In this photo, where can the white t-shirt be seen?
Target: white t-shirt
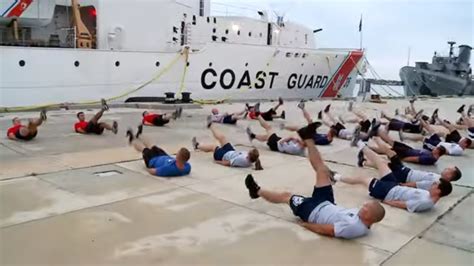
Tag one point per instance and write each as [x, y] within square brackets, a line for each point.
[417, 200]
[217, 118]
[237, 158]
[424, 180]
[346, 222]
[452, 149]
[345, 134]
[290, 147]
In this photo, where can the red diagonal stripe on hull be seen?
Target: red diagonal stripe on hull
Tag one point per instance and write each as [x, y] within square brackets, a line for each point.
[340, 78]
[19, 8]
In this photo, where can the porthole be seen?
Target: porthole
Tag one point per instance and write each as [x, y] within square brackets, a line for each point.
[76, 63]
[117, 63]
[210, 64]
[246, 64]
[187, 64]
[250, 34]
[22, 63]
[157, 64]
[214, 30]
[226, 31]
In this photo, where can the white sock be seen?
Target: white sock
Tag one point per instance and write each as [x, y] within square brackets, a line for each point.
[361, 144]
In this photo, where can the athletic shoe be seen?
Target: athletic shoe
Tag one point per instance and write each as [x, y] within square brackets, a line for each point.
[400, 135]
[252, 186]
[397, 112]
[104, 104]
[320, 115]
[435, 113]
[130, 135]
[247, 107]
[355, 137]
[351, 106]
[419, 114]
[115, 127]
[209, 121]
[461, 109]
[446, 121]
[326, 109]
[412, 100]
[459, 121]
[332, 176]
[360, 159]
[423, 117]
[301, 104]
[195, 143]
[470, 110]
[374, 130]
[280, 101]
[283, 115]
[139, 131]
[256, 108]
[43, 115]
[250, 134]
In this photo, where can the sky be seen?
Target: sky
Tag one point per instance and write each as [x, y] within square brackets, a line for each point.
[391, 28]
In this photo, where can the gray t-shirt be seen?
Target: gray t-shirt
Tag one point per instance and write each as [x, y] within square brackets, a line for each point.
[417, 200]
[290, 147]
[452, 149]
[424, 180]
[346, 222]
[237, 158]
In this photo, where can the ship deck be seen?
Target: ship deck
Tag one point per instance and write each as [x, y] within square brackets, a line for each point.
[69, 199]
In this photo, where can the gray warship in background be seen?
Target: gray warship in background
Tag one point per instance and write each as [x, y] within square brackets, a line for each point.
[444, 76]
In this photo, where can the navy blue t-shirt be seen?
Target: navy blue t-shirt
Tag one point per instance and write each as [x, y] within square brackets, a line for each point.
[425, 157]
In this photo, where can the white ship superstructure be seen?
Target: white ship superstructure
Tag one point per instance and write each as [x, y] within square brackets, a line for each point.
[55, 51]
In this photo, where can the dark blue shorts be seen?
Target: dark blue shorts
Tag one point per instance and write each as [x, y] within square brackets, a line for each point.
[303, 206]
[379, 188]
[453, 137]
[431, 142]
[321, 139]
[396, 125]
[221, 151]
[228, 120]
[365, 126]
[399, 170]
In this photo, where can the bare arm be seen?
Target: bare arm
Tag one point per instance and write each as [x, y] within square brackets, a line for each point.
[412, 159]
[80, 130]
[322, 229]
[224, 163]
[408, 184]
[147, 123]
[396, 204]
[152, 171]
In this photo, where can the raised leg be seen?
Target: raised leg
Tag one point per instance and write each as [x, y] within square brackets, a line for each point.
[322, 171]
[96, 117]
[384, 135]
[218, 135]
[275, 197]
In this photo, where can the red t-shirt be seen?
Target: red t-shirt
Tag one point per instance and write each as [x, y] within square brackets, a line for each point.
[149, 118]
[253, 115]
[80, 125]
[13, 130]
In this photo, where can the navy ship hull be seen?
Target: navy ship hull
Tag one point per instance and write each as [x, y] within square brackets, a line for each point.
[424, 82]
